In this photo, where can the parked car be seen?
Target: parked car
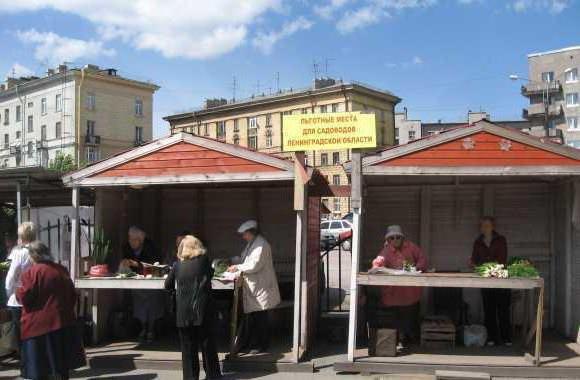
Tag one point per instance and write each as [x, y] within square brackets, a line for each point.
[335, 228]
[348, 217]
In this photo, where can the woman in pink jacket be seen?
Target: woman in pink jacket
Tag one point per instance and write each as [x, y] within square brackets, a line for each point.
[400, 302]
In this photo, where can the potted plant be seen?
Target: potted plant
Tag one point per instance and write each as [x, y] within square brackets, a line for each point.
[100, 253]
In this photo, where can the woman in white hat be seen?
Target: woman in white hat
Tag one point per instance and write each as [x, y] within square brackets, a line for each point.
[260, 287]
[402, 301]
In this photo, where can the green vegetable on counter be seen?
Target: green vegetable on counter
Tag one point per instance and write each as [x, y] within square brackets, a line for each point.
[523, 269]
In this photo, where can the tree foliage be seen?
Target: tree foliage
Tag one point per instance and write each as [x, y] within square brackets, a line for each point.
[62, 163]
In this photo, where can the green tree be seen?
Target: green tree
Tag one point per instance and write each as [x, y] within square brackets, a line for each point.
[62, 163]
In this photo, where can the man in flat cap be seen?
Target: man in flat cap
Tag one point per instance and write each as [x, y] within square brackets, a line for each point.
[260, 287]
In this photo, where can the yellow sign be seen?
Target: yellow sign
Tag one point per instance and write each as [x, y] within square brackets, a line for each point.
[328, 131]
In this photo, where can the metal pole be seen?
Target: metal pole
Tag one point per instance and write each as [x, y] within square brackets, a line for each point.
[18, 204]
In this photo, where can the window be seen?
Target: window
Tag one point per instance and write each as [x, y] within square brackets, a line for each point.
[138, 107]
[548, 76]
[323, 109]
[30, 105]
[221, 130]
[43, 108]
[336, 225]
[336, 158]
[412, 135]
[6, 141]
[90, 101]
[205, 130]
[346, 224]
[58, 102]
[6, 116]
[92, 153]
[268, 139]
[268, 120]
[572, 99]
[90, 128]
[396, 133]
[336, 207]
[336, 179]
[324, 225]
[236, 125]
[253, 122]
[304, 110]
[253, 133]
[18, 113]
[29, 149]
[138, 135]
[58, 130]
[30, 124]
[43, 132]
[335, 107]
[324, 159]
[236, 139]
[572, 75]
[572, 122]
[287, 112]
[18, 134]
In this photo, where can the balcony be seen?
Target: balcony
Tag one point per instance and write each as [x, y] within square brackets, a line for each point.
[41, 144]
[15, 149]
[92, 140]
[538, 110]
[534, 88]
[138, 142]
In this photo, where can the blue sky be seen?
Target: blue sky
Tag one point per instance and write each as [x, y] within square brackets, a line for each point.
[442, 57]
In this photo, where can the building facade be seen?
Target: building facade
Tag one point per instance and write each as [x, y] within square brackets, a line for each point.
[553, 91]
[256, 123]
[88, 113]
[406, 130]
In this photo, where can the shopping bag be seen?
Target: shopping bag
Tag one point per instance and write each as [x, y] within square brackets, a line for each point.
[8, 338]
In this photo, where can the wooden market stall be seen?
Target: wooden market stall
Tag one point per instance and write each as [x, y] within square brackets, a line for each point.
[209, 187]
[437, 188]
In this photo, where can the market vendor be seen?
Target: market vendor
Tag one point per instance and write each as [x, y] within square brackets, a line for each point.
[148, 305]
[492, 247]
[401, 301]
[259, 291]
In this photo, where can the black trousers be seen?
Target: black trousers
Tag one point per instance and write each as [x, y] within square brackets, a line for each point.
[195, 339]
[255, 331]
[496, 307]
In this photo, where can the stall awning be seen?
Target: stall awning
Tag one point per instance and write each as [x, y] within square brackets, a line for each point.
[183, 158]
[479, 149]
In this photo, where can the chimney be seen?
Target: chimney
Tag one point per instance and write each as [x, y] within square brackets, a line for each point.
[62, 69]
[90, 67]
[405, 111]
[323, 82]
[49, 72]
[215, 102]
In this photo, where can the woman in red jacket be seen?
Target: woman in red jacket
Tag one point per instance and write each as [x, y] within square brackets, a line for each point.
[51, 346]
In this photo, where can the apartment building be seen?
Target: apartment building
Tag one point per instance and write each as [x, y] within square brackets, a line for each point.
[88, 113]
[553, 91]
[256, 123]
[406, 130]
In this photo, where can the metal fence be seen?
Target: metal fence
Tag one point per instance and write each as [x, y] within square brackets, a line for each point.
[56, 235]
[332, 263]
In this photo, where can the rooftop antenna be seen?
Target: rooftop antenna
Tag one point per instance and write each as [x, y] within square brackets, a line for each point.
[277, 81]
[326, 64]
[234, 88]
[315, 69]
[258, 87]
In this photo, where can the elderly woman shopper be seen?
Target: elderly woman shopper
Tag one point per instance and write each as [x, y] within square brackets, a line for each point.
[401, 301]
[191, 278]
[19, 263]
[148, 305]
[259, 291]
[51, 346]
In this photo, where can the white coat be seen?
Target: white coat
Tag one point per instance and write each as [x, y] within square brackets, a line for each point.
[260, 285]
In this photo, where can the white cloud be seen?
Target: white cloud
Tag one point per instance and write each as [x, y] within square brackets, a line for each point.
[17, 70]
[53, 49]
[415, 61]
[373, 11]
[196, 29]
[266, 41]
[552, 6]
[327, 10]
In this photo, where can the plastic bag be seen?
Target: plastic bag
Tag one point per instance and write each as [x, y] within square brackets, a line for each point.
[8, 343]
[474, 335]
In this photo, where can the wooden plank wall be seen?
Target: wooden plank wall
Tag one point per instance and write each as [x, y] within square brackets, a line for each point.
[486, 151]
[185, 158]
[560, 225]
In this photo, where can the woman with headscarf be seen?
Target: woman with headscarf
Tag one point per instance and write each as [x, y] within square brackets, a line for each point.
[191, 277]
[51, 345]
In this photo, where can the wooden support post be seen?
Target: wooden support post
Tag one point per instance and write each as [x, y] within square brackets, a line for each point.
[75, 234]
[18, 204]
[539, 329]
[356, 201]
[300, 257]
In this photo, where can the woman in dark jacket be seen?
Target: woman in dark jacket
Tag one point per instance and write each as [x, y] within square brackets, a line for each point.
[191, 278]
[51, 346]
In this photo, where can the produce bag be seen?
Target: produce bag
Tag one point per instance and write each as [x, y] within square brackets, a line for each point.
[8, 343]
[474, 335]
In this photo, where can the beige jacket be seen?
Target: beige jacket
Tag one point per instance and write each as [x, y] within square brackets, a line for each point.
[260, 287]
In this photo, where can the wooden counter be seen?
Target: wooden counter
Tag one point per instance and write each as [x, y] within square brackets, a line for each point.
[136, 283]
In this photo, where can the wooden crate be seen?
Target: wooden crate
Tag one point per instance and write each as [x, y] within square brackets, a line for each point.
[437, 332]
[382, 342]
